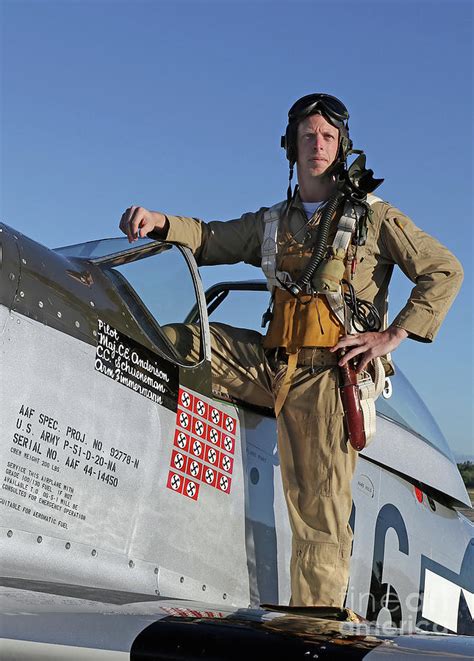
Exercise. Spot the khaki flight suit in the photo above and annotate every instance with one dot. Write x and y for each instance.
(317, 463)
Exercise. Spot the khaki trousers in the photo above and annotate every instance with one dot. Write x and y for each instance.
(317, 464)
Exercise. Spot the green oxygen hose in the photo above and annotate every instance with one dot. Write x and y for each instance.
(296, 288)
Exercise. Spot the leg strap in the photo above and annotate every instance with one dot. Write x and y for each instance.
(286, 383)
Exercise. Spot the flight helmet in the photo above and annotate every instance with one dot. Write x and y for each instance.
(333, 110)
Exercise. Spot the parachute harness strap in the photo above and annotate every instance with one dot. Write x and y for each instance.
(271, 218)
(346, 227)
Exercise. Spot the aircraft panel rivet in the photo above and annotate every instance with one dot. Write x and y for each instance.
(10, 533)
(39, 539)
(12, 276)
(94, 552)
(40, 304)
(157, 592)
(224, 596)
(68, 545)
(156, 570)
(77, 324)
(22, 293)
(181, 580)
(203, 588)
(23, 260)
(131, 564)
(59, 315)
(92, 304)
(94, 333)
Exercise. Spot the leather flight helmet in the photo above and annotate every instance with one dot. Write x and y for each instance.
(331, 108)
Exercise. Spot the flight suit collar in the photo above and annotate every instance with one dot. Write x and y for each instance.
(297, 218)
(297, 202)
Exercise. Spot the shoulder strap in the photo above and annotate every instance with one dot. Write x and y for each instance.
(271, 218)
(347, 224)
(345, 229)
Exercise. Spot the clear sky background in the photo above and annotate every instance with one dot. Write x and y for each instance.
(179, 106)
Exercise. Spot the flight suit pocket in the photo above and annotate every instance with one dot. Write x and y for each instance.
(323, 434)
(315, 554)
(406, 237)
(324, 429)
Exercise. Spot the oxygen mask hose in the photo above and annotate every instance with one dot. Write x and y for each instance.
(320, 248)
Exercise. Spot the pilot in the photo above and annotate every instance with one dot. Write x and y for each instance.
(328, 252)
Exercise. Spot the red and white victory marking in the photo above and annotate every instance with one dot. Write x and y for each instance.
(183, 419)
(194, 462)
(186, 399)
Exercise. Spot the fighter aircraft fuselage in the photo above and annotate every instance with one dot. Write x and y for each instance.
(123, 474)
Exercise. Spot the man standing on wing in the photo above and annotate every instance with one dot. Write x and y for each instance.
(328, 253)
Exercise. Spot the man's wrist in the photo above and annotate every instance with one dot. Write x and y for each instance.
(397, 332)
(162, 224)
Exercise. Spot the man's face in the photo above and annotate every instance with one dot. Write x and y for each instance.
(318, 144)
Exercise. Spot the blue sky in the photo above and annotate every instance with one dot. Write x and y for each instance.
(179, 106)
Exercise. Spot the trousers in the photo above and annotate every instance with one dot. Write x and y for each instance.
(317, 463)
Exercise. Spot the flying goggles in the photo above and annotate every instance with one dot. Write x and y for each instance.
(308, 105)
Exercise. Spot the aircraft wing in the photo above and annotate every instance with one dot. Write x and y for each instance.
(44, 621)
